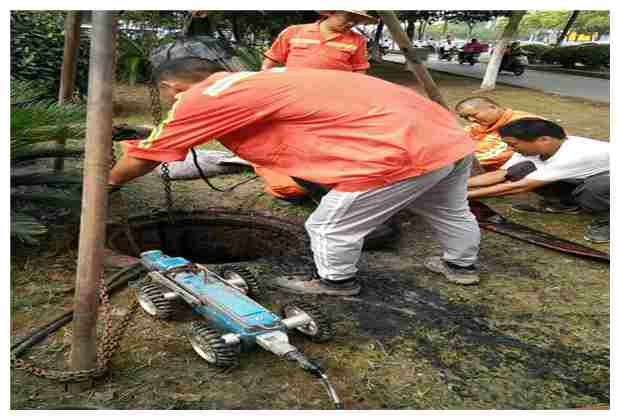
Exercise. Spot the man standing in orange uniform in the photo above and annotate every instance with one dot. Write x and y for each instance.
(327, 44)
(378, 146)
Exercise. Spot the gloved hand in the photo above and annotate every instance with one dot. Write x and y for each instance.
(122, 132)
(113, 188)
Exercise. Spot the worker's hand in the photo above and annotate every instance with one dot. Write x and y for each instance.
(111, 188)
(122, 132)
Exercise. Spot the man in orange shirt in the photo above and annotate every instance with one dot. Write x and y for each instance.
(378, 146)
(486, 117)
(327, 44)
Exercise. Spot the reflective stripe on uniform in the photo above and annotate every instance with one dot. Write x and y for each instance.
(223, 84)
(304, 41)
(148, 142)
(342, 46)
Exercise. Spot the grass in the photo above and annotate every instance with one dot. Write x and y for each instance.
(533, 335)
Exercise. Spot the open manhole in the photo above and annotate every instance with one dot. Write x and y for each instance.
(211, 235)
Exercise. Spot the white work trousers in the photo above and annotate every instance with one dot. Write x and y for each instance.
(339, 224)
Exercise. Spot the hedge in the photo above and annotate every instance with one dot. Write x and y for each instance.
(590, 55)
(534, 52)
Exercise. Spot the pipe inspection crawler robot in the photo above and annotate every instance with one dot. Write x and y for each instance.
(232, 321)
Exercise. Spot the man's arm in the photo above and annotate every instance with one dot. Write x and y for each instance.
(488, 178)
(128, 168)
(506, 188)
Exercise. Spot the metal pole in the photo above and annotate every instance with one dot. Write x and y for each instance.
(73, 19)
(419, 70)
(94, 195)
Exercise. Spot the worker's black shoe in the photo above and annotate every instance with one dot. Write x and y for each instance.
(314, 285)
(289, 201)
(598, 230)
(547, 207)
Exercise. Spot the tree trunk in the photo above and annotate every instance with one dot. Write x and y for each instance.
(567, 27)
(235, 30)
(94, 195)
(471, 29)
(73, 20)
(490, 76)
(445, 28)
(422, 30)
(376, 51)
(198, 26)
(423, 76)
(410, 29)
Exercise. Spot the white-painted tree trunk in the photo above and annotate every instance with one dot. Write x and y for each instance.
(490, 76)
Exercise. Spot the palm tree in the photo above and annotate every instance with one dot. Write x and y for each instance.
(35, 124)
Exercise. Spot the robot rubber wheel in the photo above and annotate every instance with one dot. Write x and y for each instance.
(234, 271)
(151, 299)
(208, 343)
(319, 329)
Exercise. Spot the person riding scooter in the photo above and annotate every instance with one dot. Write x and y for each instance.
(471, 52)
(513, 60)
(447, 49)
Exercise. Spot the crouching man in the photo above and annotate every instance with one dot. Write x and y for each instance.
(569, 173)
(392, 149)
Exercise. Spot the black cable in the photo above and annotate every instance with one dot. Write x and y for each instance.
(117, 280)
(205, 179)
(315, 370)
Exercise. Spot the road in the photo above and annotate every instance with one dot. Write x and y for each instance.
(561, 84)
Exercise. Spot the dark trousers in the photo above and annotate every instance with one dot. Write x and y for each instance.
(591, 194)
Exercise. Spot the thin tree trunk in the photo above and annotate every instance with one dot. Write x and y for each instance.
(94, 195)
(73, 20)
(445, 28)
(572, 18)
(420, 72)
(490, 76)
(375, 53)
(410, 29)
(422, 30)
(235, 29)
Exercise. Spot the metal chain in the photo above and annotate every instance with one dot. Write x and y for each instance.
(109, 344)
(165, 170)
(157, 118)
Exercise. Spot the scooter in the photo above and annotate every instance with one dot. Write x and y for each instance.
(447, 53)
(516, 65)
(468, 57)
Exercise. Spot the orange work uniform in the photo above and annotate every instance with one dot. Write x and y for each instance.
(491, 151)
(303, 46)
(354, 133)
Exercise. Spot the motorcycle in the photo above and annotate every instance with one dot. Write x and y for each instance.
(515, 65)
(447, 53)
(468, 57)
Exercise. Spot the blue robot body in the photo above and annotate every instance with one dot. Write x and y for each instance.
(228, 309)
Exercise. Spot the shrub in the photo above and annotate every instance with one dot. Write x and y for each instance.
(590, 55)
(534, 52)
(37, 44)
(34, 124)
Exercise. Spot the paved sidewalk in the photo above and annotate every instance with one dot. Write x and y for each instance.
(561, 84)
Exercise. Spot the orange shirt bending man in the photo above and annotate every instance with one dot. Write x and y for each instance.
(486, 117)
(327, 44)
(378, 146)
(280, 120)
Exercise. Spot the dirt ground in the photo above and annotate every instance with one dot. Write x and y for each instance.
(534, 334)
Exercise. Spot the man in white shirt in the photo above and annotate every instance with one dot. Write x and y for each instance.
(571, 173)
